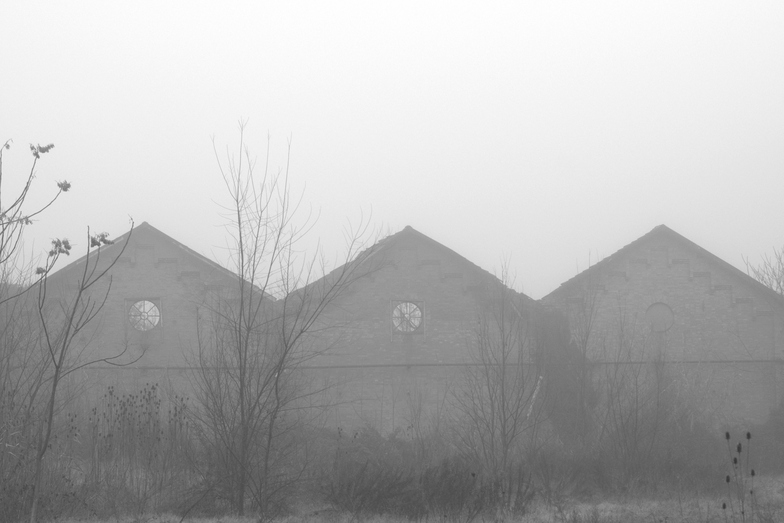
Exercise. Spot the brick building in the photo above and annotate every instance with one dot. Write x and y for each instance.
(666, 299)
(149, 318)
(406, 330)
(400, 335)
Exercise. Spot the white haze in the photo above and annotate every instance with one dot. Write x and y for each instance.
(546, 133)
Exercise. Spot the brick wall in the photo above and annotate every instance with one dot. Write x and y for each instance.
(717, 316)
(380, 369)
(451, 291)
(372, 369)
(151, 268)
(365, 369)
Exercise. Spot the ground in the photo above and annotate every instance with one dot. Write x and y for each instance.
(678, 506)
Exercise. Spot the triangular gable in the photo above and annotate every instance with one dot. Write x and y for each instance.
(662, 232)
(408, 230)
(408, 233)
(107, 252)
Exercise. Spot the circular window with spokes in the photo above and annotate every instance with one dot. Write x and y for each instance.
(407, 317)
(144, 315)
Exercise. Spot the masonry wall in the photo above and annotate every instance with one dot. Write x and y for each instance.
(149, 269)
(391, 398)
(386, 398)
(380, 371)
(365, 371)
(451, 292)
(717, 320)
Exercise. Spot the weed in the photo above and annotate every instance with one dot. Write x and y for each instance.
(741, 501)
(136, 456)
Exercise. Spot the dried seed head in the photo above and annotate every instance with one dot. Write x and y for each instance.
(724, 506)
(727, 436)
(727, 479)
(753, 473)
(740, 448)
(734, 461)
(748, 435)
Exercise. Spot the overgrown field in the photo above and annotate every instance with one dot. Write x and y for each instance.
(680, 506)
(140, 457)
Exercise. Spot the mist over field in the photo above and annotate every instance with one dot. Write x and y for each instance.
(344, 261)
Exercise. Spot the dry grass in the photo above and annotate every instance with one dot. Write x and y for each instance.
(686, 508)
(670, 508)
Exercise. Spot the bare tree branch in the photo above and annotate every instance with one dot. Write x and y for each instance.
(254, 337)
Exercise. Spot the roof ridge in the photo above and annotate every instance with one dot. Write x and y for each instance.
(141, 227)
(409, 229)
(664, 229)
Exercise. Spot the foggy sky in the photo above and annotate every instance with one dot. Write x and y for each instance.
(550, 134)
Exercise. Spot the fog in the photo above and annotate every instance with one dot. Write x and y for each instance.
(549, 134)
(536, 136)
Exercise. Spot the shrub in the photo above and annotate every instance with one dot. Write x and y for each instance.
(370, 489)
(369, 475)
(372, 475)
(449, 489)
(138, 457)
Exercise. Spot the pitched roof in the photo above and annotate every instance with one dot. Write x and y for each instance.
(118, 243)
(409, 232)
(664, 232)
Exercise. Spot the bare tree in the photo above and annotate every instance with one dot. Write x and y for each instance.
(61, 322)
(620, 406)
(770, 271)
(21, 368)
(254, 337)
(14, 218)
(39, 335)
(498, 411)
(631, 387)
(643, 413)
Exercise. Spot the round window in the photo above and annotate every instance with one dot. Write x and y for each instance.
(144, 315)
(660, 317)
(406, 317)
